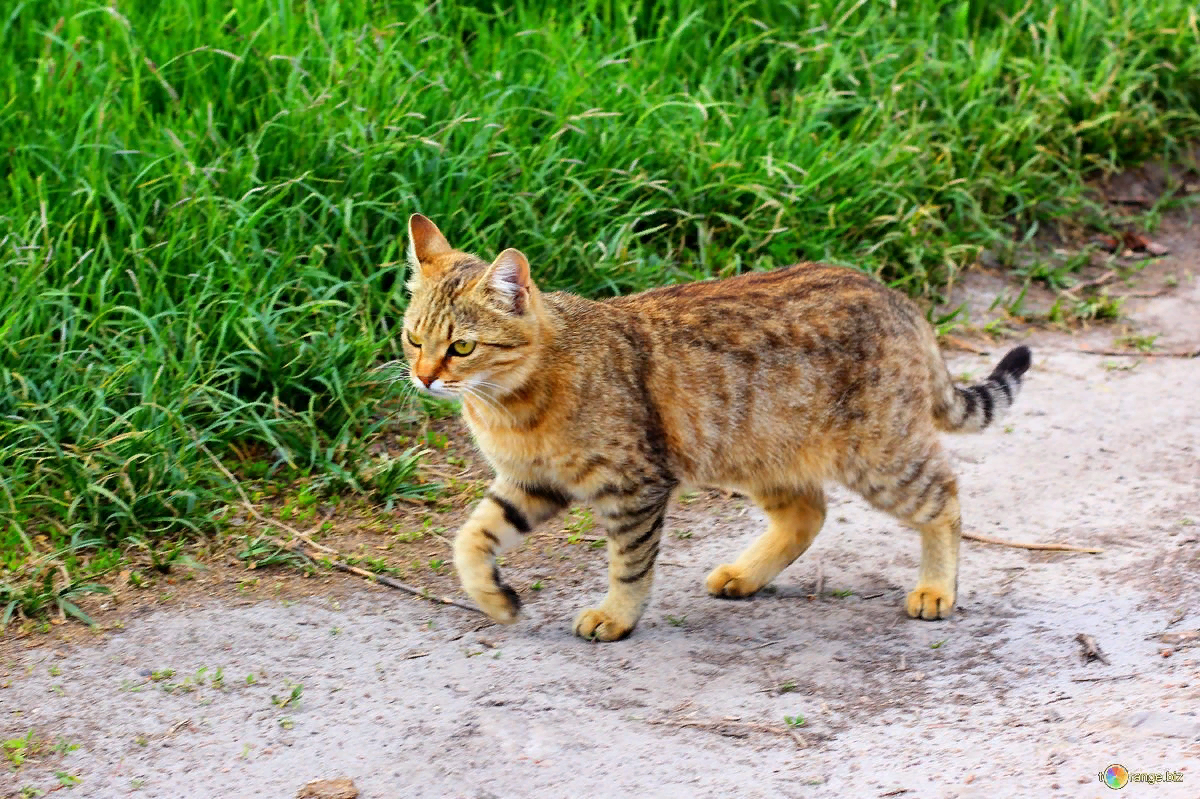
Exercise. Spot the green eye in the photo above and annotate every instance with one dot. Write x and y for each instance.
(462, 347)
(412, 340)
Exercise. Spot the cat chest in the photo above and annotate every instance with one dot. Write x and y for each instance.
(524, 457)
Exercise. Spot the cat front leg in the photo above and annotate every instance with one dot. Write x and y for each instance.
(498, 524)
(634, 531)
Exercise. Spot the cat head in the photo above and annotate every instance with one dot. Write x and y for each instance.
(471, 326)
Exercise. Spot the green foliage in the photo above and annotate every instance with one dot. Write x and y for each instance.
(202, 206)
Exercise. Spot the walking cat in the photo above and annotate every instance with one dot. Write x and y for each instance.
(768, 383)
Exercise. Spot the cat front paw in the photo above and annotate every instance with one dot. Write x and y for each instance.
(930, 602)
(497, 599)
(727, 581)
(596, 624)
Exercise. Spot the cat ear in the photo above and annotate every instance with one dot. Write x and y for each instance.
(425, 242)
(508, 278)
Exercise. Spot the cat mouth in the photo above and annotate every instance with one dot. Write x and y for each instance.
(438, 389)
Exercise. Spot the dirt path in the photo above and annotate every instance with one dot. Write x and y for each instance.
(411, 699)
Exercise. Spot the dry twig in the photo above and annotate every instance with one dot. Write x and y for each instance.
(334, 557)
(984, 539)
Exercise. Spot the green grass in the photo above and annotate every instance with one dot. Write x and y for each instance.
(202, 205)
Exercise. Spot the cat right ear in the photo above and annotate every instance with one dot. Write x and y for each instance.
(508, 278)
(425, 242)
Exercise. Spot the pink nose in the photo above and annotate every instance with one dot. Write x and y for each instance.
(426, 379)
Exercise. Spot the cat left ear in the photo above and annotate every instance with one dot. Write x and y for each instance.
(508, 278)
(425, 242)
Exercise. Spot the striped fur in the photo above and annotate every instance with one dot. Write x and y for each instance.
(770, 383)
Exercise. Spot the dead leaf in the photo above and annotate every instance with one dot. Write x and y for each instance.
(1137, 241)
(1106, 243)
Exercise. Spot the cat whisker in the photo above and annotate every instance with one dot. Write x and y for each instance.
(491, 402)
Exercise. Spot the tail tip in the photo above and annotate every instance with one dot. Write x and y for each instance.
(1015, 362)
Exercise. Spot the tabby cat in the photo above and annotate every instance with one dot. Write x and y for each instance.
(768, 383)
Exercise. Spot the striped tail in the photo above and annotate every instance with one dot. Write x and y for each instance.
(969, 409)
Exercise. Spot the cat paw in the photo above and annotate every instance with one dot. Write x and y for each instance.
(595, 624)
(929, 602)
(727, 581)
(500, 603)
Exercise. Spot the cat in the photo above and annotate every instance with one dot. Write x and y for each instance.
(767, 383)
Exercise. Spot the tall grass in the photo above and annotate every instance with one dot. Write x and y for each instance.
(202, 204)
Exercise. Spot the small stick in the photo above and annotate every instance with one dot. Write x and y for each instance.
(984, 539)
(1104, 679)
(254, 511)
(399, 586)
(1093, 283)
(337, 562)
(819, 583)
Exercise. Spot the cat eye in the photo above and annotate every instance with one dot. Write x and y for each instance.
(413, 341)
(462, 347)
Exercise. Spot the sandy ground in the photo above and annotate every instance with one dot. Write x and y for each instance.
(412, 699)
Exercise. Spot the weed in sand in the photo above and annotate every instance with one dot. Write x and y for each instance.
(794, 721)
(67, 780)
(579, 522)
(293, 696)
(1139, 342)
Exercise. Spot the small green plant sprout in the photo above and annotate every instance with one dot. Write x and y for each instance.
(286, 723)
(786, 687)
(162, 674)
(676, 621)
(437, 564)
(683, 535)
(42, 594)
(938, 644)
(1141, 343)
(293, 696)
(396, 478)
(794, 721)
(842, 593)
(579, 522)
(67, 780)
(536, 586)
(20, 749)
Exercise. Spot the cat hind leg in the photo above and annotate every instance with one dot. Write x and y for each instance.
(793, 520)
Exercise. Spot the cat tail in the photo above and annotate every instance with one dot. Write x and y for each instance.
(969, 409)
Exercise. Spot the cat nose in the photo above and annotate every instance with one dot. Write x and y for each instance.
(426, 379)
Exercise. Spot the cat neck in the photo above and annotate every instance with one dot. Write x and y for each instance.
(533, 393)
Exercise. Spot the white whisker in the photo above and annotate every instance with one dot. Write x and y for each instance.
(491, 402)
